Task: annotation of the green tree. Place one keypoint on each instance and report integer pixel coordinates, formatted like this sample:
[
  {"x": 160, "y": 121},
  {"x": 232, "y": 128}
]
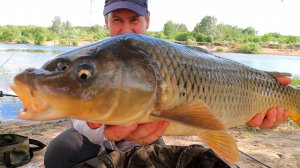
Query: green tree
[
  {"x": 9, "y": 33},
  {"x": 183, "y": 36},
  {"x": 269, "y": 37},
  {"x": 292, "y": 39},
  {"x": 172, "y": 29},
  {"x": 249, "y": 31},
  {"x": 208, "y": 26},
  {"x": 67, "y": 27},
  {"x": 98, "y": 32},
  {"x": 230, "y": 33},
  {"x": 169, "y": 29},
  {"x": 26, "y": 34},
  {"x": 39, "y": 34},
  {"x": 57, "y": 26},
  {"x": 160, "y": 34},
  {"x": 180, "y": 28},
  {"x": 200, "y": 37}
]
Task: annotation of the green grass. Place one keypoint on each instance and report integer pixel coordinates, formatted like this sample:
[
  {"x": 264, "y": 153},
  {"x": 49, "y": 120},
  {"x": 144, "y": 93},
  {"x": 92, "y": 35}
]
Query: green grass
[
  {"x": 290, "y": 123},
  {"x": 219, "y": 49},
  {"x": 296, "y": 81},
  {"x": 251, "y": 129},
  {"x": 296, "y": 155}
]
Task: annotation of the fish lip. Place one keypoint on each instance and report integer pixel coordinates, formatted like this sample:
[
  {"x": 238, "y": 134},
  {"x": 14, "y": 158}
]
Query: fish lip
[{"x": 33, "y": 102}]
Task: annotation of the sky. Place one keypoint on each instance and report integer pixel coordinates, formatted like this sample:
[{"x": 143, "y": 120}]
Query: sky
[{"x": 281, "y": 16}]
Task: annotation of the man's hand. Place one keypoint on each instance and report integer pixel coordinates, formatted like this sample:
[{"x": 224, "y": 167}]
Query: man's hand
[
  {"x": 274, "y": 116},
  {"x": 271, "y": 119},
  {"x": 141, "y": 133}
]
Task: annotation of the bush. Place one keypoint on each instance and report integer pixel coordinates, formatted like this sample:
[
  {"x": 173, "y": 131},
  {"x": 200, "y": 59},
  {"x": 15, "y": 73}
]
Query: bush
[
  {"x": 219, "y": 49},
  {"x": 191, "y": 41},
  {"x": 98, "y": 36},
  {"x": 63, "y": 42},
  {"x": 74, "y": 42},
  {"x": 182, "y": 36},
  {"x": 23, "y": 40},
  {"x": 200, "y": 37},
  {"x": 249, "y": 48}
]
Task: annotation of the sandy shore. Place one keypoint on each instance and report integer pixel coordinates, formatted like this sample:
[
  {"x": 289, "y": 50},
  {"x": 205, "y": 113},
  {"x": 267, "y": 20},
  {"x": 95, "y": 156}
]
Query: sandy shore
[{"x": 276, "y": 148}]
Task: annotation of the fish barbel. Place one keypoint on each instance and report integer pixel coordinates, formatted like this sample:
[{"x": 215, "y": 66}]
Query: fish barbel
[{"x": 136, "y": 79}]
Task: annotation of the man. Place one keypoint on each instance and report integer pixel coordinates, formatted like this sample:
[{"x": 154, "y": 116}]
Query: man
[{"x": 86, "y": 140}]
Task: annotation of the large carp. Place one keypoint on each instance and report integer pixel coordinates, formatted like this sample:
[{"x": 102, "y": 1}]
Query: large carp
[{"x": 136, "y": 79}]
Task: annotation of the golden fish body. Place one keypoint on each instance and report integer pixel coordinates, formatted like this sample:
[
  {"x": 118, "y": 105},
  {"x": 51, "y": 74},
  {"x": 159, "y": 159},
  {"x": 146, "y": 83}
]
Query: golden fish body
[{"x": 135, "y": 79}]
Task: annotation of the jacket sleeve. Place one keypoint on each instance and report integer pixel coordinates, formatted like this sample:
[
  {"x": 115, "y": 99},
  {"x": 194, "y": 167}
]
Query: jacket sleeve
[{"x": 94, "y": 135}]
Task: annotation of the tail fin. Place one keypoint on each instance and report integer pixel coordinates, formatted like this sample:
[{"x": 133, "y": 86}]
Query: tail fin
[
  {"x": 295, "y": 115},
  {"x": 295, "y": 118}
]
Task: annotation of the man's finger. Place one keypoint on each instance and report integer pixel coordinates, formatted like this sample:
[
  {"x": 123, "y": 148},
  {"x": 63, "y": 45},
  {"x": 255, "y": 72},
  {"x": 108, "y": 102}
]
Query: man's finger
[
  {"x": 269, "y": 119},
  {"x": 148, "y": 132},
  {"x": 117, "y": 133},
  {"x": 256, "y": 120},
  {"x": 156, "y": 135},
  {"x": 281, "y": 116},
  {"x": 284, "y": 80},
  {"x": 93, "y": 125}
]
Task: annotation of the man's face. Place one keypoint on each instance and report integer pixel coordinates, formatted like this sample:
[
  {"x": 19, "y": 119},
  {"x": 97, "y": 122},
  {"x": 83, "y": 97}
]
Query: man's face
[{"x": 125, "y": 21}]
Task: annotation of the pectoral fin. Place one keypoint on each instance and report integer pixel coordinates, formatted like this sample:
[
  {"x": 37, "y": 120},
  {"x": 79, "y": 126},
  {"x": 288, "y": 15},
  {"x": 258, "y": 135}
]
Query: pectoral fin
[
  {"x": 222, "y": 143},
  {"x": 195, "y": 114}
]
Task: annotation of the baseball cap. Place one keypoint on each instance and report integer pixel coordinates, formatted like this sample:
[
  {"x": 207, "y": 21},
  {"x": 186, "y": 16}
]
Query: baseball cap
[{"x": 138, "y": 6}]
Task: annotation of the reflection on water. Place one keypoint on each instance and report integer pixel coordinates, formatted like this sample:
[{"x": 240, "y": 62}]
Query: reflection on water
[
  {"x": 24, "y": 56},
  {"x": 9, "y": 109}
]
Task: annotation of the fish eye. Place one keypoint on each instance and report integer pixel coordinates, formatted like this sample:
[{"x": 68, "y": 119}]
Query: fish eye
[
  {"x": 85, "y": 71},
  {"x": 84, "y": 74},
  {"x": 61, "y": 66}
]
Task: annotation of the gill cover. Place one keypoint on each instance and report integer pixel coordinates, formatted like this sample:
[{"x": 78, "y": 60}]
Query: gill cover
[{"x": 133, "y": 83}]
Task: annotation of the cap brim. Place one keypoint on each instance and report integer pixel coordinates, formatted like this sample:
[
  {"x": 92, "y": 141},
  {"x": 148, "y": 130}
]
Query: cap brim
[{"x": 125, "y": 5}]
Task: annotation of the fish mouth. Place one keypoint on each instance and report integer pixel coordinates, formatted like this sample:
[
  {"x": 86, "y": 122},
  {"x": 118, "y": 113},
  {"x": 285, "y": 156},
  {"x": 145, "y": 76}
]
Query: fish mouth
[{"x": 33, "y": 102}]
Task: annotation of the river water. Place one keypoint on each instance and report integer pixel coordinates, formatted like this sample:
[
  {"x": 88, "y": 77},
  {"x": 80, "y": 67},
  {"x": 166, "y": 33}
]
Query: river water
[{"x": 16, "y": 57}]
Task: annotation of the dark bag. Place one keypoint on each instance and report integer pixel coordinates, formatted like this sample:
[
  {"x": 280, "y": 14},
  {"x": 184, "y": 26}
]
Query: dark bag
[
  {"x": 15, "y": 150},
  {"x": 158, "y": 156}
]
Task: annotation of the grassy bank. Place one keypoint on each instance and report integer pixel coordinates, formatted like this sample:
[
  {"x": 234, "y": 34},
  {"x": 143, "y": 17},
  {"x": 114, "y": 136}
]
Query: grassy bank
[{"x": 296, "y": 81}]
